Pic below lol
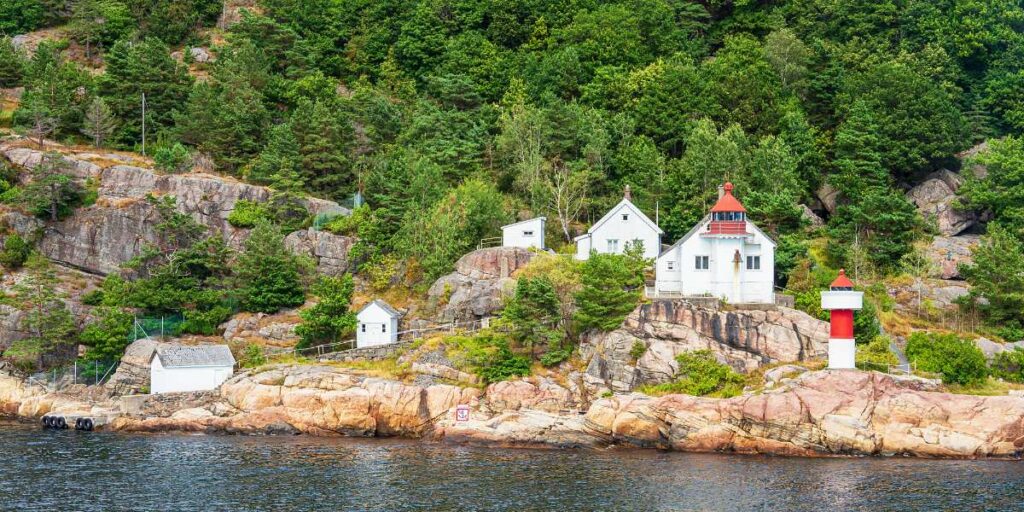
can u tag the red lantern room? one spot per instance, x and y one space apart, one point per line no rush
728 216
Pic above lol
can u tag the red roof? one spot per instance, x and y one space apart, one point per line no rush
728 202
842 281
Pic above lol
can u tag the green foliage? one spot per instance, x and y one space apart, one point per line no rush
997 278
268 274
174 158
51 329
504 364
16 251
247 214
612 287
637 350
1009 365
700 374
1001 188
957 359
51 193
438 236
329 320
108 334
99 23
533 315
12 63
20 16
875 355
173 20
252 357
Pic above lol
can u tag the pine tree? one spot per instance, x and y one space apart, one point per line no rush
323 138
99 123
612 287
329 319
51 192
268 275
533 314
997 279
50 325
12 63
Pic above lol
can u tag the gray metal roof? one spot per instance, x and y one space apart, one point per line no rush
383 305
185 356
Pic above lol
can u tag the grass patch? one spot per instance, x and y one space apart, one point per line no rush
385 368
990 387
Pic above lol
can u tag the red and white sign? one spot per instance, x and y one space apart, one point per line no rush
462 413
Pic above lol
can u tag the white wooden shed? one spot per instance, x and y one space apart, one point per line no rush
378 324
183 368
525 234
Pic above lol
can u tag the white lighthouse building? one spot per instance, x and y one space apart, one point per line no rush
724 256
624 225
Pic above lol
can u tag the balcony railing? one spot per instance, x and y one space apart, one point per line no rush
726 227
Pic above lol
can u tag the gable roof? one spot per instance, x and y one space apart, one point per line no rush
625 203
383 305
186 356
697 227
542 219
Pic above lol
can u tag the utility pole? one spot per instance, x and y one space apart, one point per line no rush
143 124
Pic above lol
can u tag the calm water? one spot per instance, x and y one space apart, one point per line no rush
47 470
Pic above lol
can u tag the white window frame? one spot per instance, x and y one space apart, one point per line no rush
384 327
754 263
528 232
702 263
362 327
613 245
625 216
670 265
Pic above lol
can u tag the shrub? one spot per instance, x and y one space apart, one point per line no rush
247 214
503 365
700 374
555 356
329 319
15 252
612 286
173 159
252 357
1009 365
638 350
957 359
205 321
875 354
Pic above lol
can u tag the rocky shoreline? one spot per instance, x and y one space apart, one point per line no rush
823 413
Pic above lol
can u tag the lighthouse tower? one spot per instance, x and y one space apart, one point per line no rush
841 301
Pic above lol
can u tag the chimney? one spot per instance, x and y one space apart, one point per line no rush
721 191
627 194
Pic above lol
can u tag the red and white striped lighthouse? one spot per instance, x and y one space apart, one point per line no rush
841 301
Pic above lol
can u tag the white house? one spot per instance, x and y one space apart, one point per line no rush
525 234
181 368
624 224
378 324
725 256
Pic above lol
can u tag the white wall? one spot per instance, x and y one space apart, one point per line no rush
180 380
376 327
525 234
583 247
631 229
723 278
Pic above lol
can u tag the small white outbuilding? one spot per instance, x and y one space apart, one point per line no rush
525 234
183 368
378 324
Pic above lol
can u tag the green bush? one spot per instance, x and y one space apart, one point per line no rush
555 356
15 252
1009 365
637 350
875 355
173 159
503 365
247 214
700 374
957 359
205 321
252 357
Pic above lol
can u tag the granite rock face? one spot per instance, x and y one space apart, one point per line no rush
743 338
935 198
329 251
947 253
481 282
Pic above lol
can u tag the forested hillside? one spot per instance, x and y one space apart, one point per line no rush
453 117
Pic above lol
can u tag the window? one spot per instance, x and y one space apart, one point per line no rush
383 327
727 216
670 265
527 233
625 216
753 263
701 263
363 327
613 246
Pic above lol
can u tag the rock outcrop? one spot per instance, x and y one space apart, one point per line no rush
133 372
947 253
831 412
479 285
98 239
935 198
742 338
276 330
927 294
329 251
